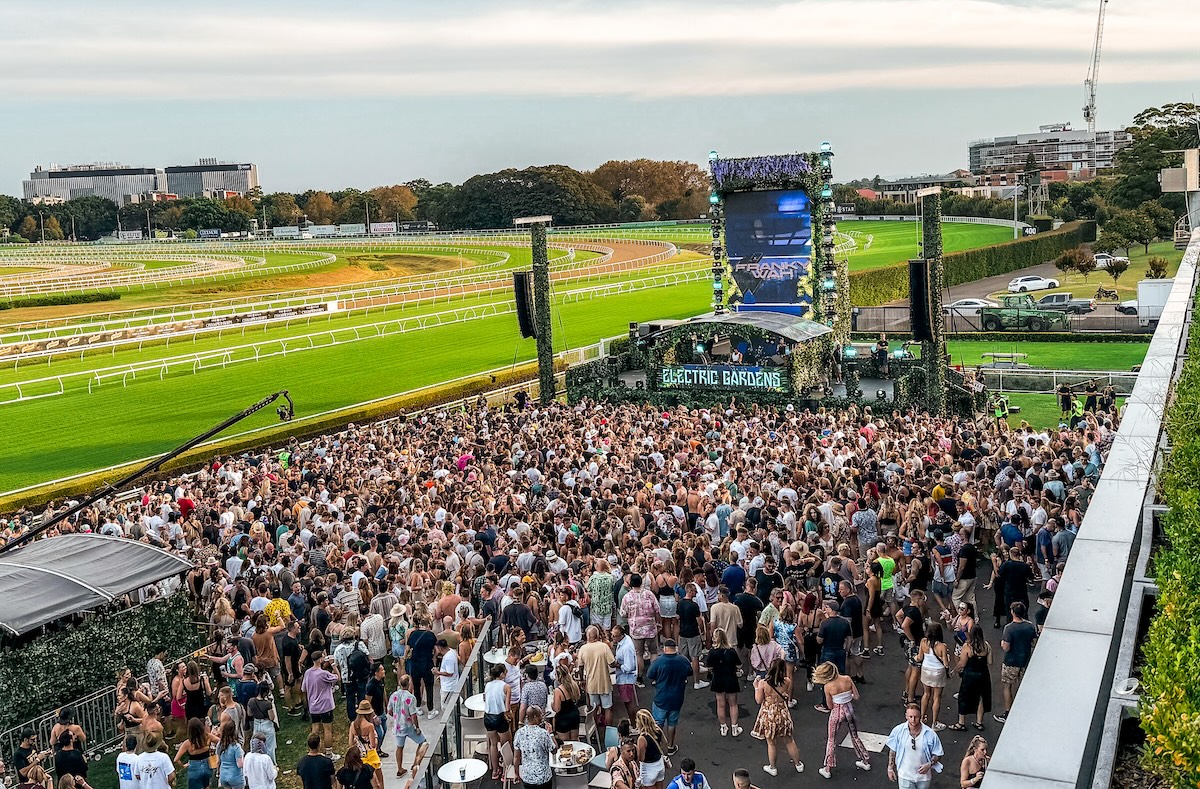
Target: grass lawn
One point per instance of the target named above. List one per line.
(1126, 286)
(895, 242)
(1054, 355)
(117, 424)
(1039, 410)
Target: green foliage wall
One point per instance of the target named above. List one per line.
(1170, 710)
(889, 283)
(59, 298)
(57, 668)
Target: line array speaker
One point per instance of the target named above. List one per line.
(523, 291)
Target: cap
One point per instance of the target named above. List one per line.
(669, 643)
(512, 551)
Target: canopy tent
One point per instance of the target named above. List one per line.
(59, 576)
(791, 327)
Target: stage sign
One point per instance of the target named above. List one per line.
(724, 376)
(768, 236)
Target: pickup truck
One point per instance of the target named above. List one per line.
(1062, 302)
(1020, 312)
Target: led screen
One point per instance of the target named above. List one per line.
(768, 239)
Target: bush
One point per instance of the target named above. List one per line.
(1170, 708)
(1156, 268)
(58, 299)
(890, 283)
(54, 669)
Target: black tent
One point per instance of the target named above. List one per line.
(55, 577)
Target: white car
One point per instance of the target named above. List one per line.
(1128, 307)
(1028, 283)
(1102, 259)
(967, 307)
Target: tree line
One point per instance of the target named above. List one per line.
(1127, 202)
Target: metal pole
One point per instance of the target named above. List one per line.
(1015, 193)
(42, 220)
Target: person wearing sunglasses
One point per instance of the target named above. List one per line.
(916, 752)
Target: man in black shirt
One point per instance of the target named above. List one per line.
(1013, 577)
(966, 572)
(769, 579)
(834, 636)
(912, 628)
(517, 614)
(377, 695)
(1017, 643)
(691, 633)
(26, 755)
(831, 579)
(750, 606)
(290, 653)
(852, 611)
(315, 769)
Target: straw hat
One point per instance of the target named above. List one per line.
(365, 708)
(823, 674)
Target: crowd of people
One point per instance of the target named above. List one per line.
(752, 553)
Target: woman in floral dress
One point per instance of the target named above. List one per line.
(774, 723)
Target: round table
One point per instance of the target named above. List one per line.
(462, 771)
(476, 703)
(495, 655)
(572, 766)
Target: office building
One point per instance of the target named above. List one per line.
(114, 181)
(906, 190)
(1054, 147)
(210, 176)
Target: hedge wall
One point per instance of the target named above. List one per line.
(885, 284)
(57, 668)
(1016, 336)
(1170, 710)
(58, 299)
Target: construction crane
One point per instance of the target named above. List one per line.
(1093, 76)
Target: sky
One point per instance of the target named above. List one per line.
(377, 92)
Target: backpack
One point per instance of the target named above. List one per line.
(358, 665)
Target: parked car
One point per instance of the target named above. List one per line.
(1102, 259)
(1064, 303)
(1128, 307)
(1029, 282)
(964, 307)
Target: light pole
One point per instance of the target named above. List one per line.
(367, 209)
(42, 221)
(72, 226)
(149, 228)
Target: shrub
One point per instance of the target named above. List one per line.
(1156, 268)
(890, 283)
(58, 299)
(1071, 259)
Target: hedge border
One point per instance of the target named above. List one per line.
(885, 284)
(58, 300)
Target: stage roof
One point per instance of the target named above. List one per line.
(790, 326)
(59, 576)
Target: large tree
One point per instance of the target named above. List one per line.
(495, 199)
(393, 203)
(674, 189)
(320, 208)
(1132, 225)
(1170, 127)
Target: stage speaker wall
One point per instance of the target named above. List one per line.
(918, 299)
(523, 291)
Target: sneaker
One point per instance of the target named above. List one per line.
(737, 730)
(866, 655)
(939, 726)
(864, 766)
(792, 703)
(878, 651)
(810, 686)
(640, 684)
(825, 773)
(724, 730)
(799, 767)
(756, 735)
(672, 750)
(1001, 716)
(383, 755)
(433, 714)
(769, 770)
(701, 685)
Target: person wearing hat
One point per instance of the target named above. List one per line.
(398, 626)
(363, 735)
(840, 693)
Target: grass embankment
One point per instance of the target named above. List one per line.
(1053, 355)
(1126, 286)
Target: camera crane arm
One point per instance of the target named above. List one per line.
(286, 412)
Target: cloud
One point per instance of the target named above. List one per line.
(644, 51)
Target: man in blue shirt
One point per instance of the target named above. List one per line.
(734, 577)
(689, 777)
(916, 752)
(670, 672)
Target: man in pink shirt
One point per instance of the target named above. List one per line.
(318, 684)
(640, 609)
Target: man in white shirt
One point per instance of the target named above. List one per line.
(447, 673)
(127, 765)
(153, 769)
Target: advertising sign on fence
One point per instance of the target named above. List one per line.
(322, 230)
(723, 376)
(130, 235)
(847, 208)
(210, 232)
(352, 230)
(382, 228)
(285, 232)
